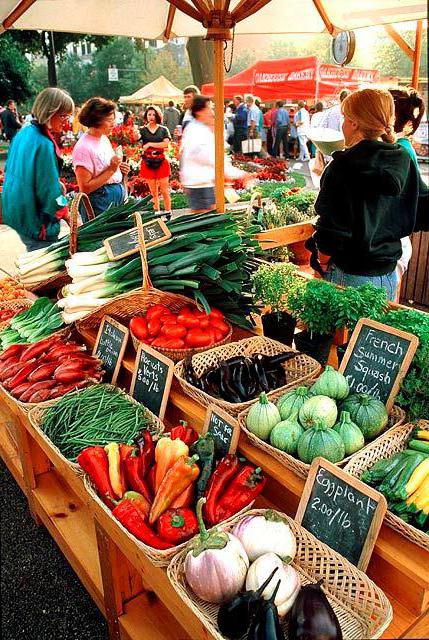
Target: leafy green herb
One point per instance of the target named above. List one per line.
(273, 283)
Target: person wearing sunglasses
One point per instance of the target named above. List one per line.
(33, 198)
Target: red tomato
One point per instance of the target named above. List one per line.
(188, 320)
(198, 338)
(156, 311)
(154, 327)
(220, 325)
(218, 335)
(160, 342)
(176, 343)
(138, 326)
(167, 317)
(173, 330)
(215, 313)
(205, 322)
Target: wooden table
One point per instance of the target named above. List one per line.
(134, 595)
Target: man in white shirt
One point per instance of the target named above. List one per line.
(253, 116)
(302, 122)
(333, 118)
(197, 160)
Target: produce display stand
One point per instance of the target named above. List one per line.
(134, 595)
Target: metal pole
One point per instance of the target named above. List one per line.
(219, 126)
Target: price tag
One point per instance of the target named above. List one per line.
(151, 380)
(110, 346)
(341, 511)
(223, 428)
(126, 243)
(377, 359)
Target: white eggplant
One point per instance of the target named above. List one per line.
(216, 565)
(264, 534)
(290, 583)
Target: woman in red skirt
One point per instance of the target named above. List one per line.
(155, 168)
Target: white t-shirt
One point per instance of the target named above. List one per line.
(94, 153)
(303, 116)
(317, 119)
(253, 115)
(333, 118)
(197, 160)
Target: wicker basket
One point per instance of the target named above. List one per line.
(60, 279)
(361, 607)
(179, 354)
(298, 369)
(124, 307)
(17, 306)
(385, 447)
(158, 557)
(37, 413)
(396, 418)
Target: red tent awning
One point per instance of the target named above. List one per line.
(294, 78)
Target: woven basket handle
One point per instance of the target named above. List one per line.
(146, 283)
(74, 212)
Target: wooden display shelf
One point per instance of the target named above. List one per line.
(284, 236)
(134, 595)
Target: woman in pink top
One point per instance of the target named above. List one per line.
(99, 172)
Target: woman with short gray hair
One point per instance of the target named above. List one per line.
(33, 198)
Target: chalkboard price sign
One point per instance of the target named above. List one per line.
(341, 511)
(377, 359)
(110, 346)
(223, 428)
(151, 380)
(126, 243)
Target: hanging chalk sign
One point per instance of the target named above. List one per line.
(341, 511)
(110, 346)
(377, 359)
(126, 243)
(151, 380)
(223, 428)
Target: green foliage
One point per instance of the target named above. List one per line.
(76, 76)
(274, 283)
(390, 60)
(414, 393)
(123, 54)
(316, 304)
(292, 47)
(14, 71)
(365, 301)
(301, 200)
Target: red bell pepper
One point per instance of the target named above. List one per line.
(94, 461)
(223, 474)
(177, 525)
(243, 489)
(131, 518)
(133, 480)
(151, 479)
(139, 501)
(146, 447)
(182, 432)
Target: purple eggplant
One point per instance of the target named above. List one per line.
(234, 617)
(312, 617)
(265, 624)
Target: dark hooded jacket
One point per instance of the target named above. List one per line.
(371, 196)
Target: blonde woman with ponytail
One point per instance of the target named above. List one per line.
(370, 197)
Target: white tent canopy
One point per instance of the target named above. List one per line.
(157, 92)
(148, 18)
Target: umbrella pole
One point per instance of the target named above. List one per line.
(219, 125)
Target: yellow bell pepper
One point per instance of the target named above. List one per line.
(167, 452)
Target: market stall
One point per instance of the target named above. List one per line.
(294, 79)
(160, 91)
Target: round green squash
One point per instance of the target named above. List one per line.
(331, 383)
(262, 417)
(367, 412)
(286, 434)
(320, 441)
(318, 409)
(349, 433)
(292, 401)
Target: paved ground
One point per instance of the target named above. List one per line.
(41, 596)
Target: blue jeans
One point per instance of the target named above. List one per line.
(31, 244)
(104, 197)
(388, 282)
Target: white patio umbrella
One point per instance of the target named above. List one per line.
(214, 18)
(156, 92)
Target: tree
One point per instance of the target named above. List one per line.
(242, 60)
(52, 46)
(201, 57)
(14, 71)
(162, 62)
(390, 60)
(76, 77)
(131, 63)
(293, 47)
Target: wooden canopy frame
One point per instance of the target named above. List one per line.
(216, 17)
